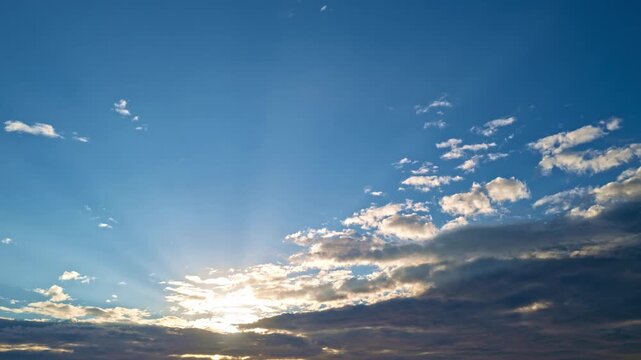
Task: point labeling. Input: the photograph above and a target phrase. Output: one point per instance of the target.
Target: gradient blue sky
(262, 118)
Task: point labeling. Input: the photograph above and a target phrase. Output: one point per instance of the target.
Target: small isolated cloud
(55, 293)
(491, 127)
(402, 162)
(323, 8)
(440, 103)
(37, 129)
(120, 107)
(368, 190)
(79, 138)
(437, 124)
(501, 189)
(105, 226)
(425, 168)
(429, 182)
(6, 241)
(75, 276)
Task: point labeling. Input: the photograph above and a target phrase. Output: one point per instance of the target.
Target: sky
(293, 179)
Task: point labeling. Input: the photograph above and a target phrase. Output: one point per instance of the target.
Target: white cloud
(105, 226)
(555, 150)
(427, 183)
(425, 169)
(402, 162)
(564, 200)
(471, 203)
(457, 151)
(437, 124)
(589, 202)
(38, 129)
(590, 161)
(491, 127)
(323, 8)
(501, 189)
(454, 223)
(121, 108)
(6, 241)
(368, 190)
(55, 293)
(79, 138)
(441, 102)
(557, 143)
(76, 276)
(626, 187)
(400, 220)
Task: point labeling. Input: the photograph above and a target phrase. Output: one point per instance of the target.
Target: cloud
(425, 168)
(76, 276)
(38, 129)
(437, 124)
(472, 163)
(323, 8)
(120, 107)
(555, 150)
(368, 190)
(457, 151)
(440, 103)
(590, 161)
(105, 226)
(501, 189)
(491, 127)
(6, 241)
(82, 139)
(401, 220)
(471, 203)
(402, 162)
(426, 183)
(55, 293)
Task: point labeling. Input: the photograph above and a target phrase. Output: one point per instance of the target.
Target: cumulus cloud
(491, 127)
(426, 183)
(401, 220)
(471, 203)
(55, 293)
(501, 189)
(75, 276)
(37, 129)
(6, 241)
(591, 201)
(555, 150)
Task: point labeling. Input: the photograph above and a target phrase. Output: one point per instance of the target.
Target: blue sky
(246, 122)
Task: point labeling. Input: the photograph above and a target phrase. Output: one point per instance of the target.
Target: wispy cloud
(491, 127)
(457, 150)
(441, 124)
(442, 102)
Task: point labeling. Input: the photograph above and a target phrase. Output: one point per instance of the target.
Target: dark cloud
(562, 289)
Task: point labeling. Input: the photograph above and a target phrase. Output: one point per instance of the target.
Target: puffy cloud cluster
(590, 201)
(478, 200)
(556, 152)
